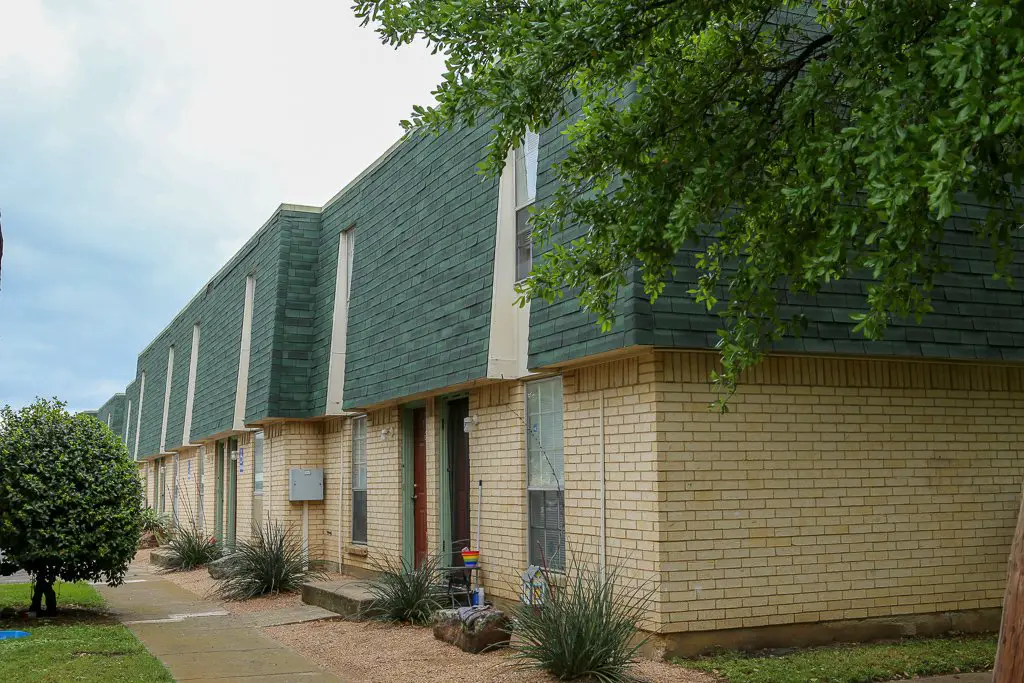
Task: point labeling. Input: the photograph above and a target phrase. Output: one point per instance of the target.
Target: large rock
(219, 569)
(488, 629)
(161, 557)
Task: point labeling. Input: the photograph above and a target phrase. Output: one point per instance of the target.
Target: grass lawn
(88, 651)
(856, 663)
(19, 595)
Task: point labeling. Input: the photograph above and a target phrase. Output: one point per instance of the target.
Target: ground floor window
(545, 472)
(359, 480)
(257, 462)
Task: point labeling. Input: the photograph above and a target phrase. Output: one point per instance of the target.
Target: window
(545, 473)
(359, 480)
(526, 195)
(257, 462)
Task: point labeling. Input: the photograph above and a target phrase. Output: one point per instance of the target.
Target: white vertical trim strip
(190, 396)
(138, 419)
(339, 330)
(167, 398)
(508, 342)
(244, 351)
(128, 422)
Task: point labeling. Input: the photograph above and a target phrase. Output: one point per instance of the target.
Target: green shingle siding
(113, 410)
(153, 362)
(294, 320)
(131, 394)
(419, 312)
(975, 316)
(220, 341)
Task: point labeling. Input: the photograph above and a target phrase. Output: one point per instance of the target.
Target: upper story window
(526, 194)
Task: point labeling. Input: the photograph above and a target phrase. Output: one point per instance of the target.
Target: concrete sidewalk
(198, 640)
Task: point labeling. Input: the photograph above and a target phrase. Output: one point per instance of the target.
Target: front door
(419, 483)
(458, 478)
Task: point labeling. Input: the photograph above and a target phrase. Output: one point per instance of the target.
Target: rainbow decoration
(470, 558)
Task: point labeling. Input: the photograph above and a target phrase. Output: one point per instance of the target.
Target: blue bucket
(10, 635)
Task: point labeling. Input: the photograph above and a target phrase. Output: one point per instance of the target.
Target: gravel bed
(198, 581)
(373, 652)
(369, 652)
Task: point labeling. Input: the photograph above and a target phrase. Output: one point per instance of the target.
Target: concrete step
(350, 598)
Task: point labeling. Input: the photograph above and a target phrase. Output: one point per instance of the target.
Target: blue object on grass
(9, 635)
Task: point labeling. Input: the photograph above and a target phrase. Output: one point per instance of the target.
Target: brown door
(458, 478)
(419, 483)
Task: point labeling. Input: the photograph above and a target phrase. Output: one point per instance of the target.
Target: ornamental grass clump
(587, 626)
(189, 547)
(406, 594)
(272, 560)
(156, 525)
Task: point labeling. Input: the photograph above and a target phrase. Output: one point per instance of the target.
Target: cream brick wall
(244, 486)
(335, 455)
(497, 455)
(633, 496)
(187, 486)
(209, 480)
(383, 490)
(836, 489)
(288, 445)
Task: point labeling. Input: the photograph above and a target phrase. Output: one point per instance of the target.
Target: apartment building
(855, 488)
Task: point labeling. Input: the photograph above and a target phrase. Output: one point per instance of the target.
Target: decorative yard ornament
(534, 589)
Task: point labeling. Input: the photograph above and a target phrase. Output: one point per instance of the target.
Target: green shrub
(70, 498)
(272, 560)
(586, 627)
(156, 523)
(402, 593)
(189, 548)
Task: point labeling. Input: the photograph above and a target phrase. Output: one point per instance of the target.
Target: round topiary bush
(70, 499)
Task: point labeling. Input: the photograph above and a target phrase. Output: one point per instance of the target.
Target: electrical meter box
(306, 483)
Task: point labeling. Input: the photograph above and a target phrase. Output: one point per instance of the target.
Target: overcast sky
(141, 144)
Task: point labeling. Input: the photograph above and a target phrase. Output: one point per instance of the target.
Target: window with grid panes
(545, 473)
(257, 462)
(359, 480)
(526, 194)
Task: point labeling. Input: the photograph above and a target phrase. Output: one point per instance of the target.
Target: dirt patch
(370, 652)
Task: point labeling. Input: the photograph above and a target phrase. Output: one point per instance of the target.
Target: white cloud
(152, 139)
(37, 52)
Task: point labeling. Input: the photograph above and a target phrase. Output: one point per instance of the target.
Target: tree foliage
(70, 497)
(796, 143)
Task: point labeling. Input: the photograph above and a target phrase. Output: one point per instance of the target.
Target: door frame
(443, 476)
(408, 474)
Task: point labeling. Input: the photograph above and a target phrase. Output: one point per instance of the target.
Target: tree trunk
(1010, 653)
(43, 586)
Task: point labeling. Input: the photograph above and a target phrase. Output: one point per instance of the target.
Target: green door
(232, 462)
(218, 493)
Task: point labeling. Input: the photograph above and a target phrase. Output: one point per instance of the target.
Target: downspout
(603, 497)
